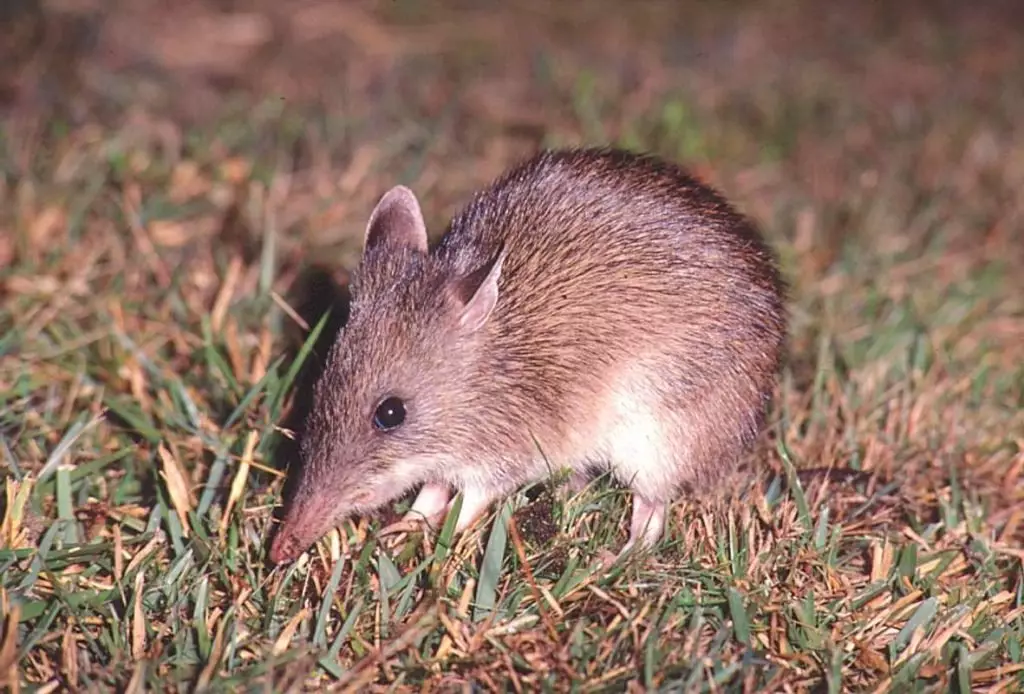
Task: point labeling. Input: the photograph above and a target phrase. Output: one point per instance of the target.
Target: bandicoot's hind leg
(578, 482)
(647, 524)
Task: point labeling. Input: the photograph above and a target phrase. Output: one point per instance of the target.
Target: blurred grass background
(184, 186)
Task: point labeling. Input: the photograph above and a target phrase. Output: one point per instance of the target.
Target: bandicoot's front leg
(430, 504)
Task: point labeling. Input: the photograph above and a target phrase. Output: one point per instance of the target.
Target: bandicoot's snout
(306, 522)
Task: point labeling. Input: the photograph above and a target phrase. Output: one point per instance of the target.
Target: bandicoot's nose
(285, 547)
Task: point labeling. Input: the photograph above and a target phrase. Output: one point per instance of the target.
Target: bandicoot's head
(387, 409)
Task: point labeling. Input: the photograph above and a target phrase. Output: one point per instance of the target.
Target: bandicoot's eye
(389, 414)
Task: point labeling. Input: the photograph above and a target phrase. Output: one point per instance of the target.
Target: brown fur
(622, 281)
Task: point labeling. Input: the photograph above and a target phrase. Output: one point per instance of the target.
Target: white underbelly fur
(634, 441)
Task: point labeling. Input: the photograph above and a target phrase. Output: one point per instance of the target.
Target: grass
(163, 291)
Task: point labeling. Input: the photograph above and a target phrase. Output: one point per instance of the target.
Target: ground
(184, 185)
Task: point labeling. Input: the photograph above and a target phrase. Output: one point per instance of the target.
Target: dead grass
(167, 255)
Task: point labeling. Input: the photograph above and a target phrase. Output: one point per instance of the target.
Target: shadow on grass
(314, 292)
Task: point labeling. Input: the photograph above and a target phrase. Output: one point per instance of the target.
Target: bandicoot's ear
(477, 293)
(398, 220)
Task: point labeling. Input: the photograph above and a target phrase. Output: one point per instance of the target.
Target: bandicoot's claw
(405, 525)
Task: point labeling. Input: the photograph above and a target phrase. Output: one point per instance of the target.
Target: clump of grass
(154, 353)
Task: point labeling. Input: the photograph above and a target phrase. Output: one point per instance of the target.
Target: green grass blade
(81, 425)
(320, 628)
(65, 506)
(924, 614)
(490, 565)
(446, 537)
(740, 619)
(796, 489)
(293, 370)
(199, 619)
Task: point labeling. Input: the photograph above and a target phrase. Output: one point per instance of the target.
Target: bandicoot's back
(617, 263)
